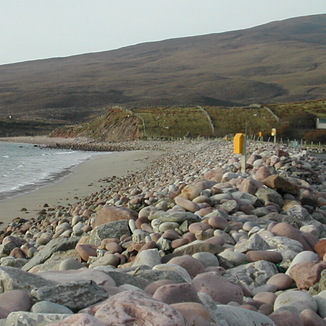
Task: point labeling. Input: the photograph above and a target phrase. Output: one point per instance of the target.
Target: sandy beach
(83, 180)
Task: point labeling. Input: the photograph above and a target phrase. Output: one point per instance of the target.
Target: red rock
(266, 309)
(265, 297)
(218, 287)
(192, 265)
(262, 173)
(113, 248)
(186, 204)
(282, 185)
(215, 175)
(218, 222)
(217, 239)
(248, 185)
(15, 300)
(195, 313)
(148, 245)
(151, 288)
(307, 274)
(271, 256)
(190, 192)
(189, 236)
(287, 230)
(171, 235)
(137, 308)
(310, 318)
(175, 293)
(113, 213)
(286, 318)
(198, 226)
(281, 281)
(320, 248)
(179, 242)
(17, 253)
(86, 250)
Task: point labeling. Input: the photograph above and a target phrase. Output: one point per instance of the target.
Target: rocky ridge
(188, 241)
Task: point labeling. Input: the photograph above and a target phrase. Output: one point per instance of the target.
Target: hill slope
(282, 61)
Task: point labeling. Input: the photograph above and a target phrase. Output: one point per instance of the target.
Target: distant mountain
(282, 61)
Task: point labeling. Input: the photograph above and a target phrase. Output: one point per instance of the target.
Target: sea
(27, 167)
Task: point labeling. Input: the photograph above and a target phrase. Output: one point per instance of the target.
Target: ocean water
(25, 167)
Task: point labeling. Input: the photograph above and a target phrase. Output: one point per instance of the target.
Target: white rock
(303, 257)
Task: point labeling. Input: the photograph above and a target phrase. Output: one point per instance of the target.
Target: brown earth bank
(190, 239)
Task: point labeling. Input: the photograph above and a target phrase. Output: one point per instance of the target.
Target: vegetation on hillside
(292, 121)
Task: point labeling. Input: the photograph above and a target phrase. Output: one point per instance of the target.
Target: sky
(39, 29)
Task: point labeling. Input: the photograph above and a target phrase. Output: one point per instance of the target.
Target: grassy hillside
(292, 120)
(283, 61)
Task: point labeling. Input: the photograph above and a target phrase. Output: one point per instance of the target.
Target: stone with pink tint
(15, 300)
(320, 248)
(175, 293)
(311, 318)
(112, 213)
(179, 242)
(307, 274)
(271, 256)
(190, 192)
(187, 204)
(286, 230)
(152, 287)
(137, 308)
(192, 265)
(218, 222)
(281, 281)
(286, 318)
(86, 250)
(196, 314)
(171, 235)
(262, 173)
(80, 319)
(265, 297)
(218, 287)
(198, 227)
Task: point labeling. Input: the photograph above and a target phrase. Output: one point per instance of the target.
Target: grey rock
(155, 275)
(175, 268)
(255, 242)
(15, 279)
(251, 275)
(206, 258)
(299, 213)
(230, 206)
(149, 257)
(22, 318)
(48, 307)
(109, 230)
(74, 295)
(53, 263)
(55, 245)
(164, 244)
(192, 248)
(270, 195)
(120, 277)
(244, 195)
(242, 317)
(13, 262)
(178, 217)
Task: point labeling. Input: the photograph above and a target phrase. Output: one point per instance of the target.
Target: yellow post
(239, 147)
(273, 133)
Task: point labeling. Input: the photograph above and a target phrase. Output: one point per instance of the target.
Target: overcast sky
(37, 29)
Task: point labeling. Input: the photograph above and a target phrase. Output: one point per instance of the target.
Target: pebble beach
(171, 234)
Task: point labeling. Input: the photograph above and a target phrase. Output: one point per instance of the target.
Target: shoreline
(82, 180)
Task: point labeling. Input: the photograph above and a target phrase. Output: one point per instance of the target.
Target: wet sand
(83, 180)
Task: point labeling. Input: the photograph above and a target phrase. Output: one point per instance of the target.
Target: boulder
(112, 213)
(55, 245)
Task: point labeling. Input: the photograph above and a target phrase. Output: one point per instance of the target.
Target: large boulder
(112, 213)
